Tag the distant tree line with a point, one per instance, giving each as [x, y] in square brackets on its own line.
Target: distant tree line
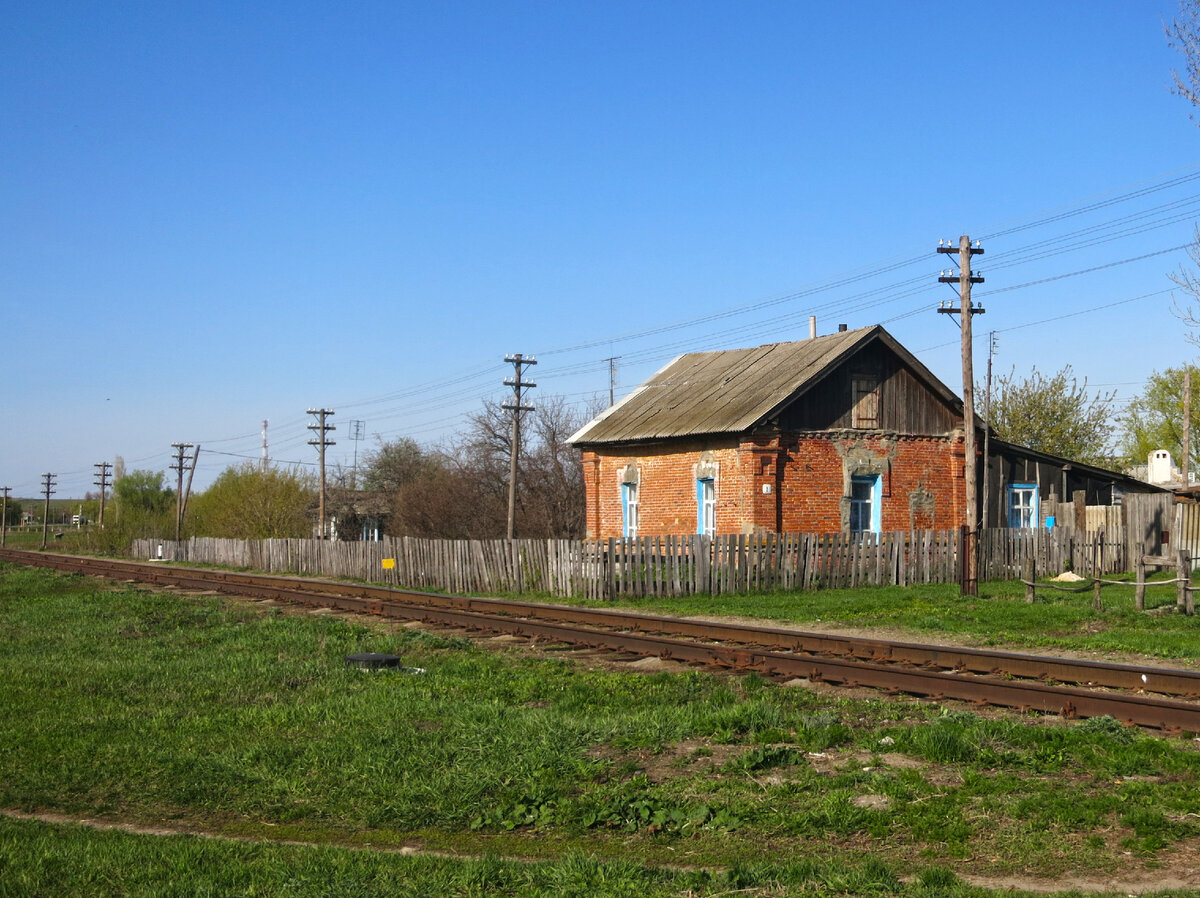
[455, 490]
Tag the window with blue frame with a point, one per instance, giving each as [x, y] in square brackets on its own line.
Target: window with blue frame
[1023, 506]
[706, 506]
[865, 507]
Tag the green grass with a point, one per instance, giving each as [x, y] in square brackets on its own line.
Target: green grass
[998, 616]
[38, 859]
[235, 718]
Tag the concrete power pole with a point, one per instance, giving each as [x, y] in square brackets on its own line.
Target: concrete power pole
[965, 278]
[987, 428]
[612, 379]
[357, 429]
[265, 460]
[321, 428]
[181, 457]
[516, 406]
[103, 470]
[1187, 426]
[48, 489]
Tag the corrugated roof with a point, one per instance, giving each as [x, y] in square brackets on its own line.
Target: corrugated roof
[730, 391]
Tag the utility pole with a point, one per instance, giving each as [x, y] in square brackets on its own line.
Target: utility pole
[181, 457]
[103, 469]
[1187, 426]
[356, 434]
[48, 489]
[965, 278]
[987, 431]
[265, 462]
[612, 378]
[321, 442]
[4, 515]
[516, 406]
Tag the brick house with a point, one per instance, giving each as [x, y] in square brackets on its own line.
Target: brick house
[842, 433]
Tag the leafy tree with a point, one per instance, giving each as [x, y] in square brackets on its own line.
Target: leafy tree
[144, 506]
[143, 491]
[1053, 414]
[1155, 419]
[247, 502]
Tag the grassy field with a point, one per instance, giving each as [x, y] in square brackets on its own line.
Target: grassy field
[518, 772]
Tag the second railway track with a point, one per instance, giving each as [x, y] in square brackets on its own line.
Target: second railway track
[982, 677]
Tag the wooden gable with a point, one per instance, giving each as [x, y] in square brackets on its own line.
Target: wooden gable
[872, 389]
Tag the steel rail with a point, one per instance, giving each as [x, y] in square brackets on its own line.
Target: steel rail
[1160, 680]
[481, 614]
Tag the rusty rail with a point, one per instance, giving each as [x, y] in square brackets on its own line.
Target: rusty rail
[939, 672]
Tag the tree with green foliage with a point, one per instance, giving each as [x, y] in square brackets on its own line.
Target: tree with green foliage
[1154, 420]
[144, 506]
[1054, 414]
[143, 491]
[249, 502]
[12, 513]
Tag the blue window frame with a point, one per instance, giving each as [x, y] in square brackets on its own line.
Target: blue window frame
[1023, 506]
[706, 506]
[629, 509]
[866, 512]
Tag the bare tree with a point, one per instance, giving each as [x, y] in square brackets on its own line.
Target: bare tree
[1183, 35]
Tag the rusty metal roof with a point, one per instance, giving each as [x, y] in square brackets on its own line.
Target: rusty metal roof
[732, 390]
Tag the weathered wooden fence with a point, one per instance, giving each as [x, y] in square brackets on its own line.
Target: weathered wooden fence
[1003, 553]
[658, 565]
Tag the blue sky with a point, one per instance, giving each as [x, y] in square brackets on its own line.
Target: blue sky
[218, 213]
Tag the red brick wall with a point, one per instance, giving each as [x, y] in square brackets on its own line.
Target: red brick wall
[789, 483]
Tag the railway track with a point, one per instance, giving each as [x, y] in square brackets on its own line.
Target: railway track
[1153, 697]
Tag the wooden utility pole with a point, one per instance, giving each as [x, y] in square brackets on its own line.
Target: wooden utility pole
[1187, 425]
[48, 489]
[516, 406]
[4, 515]
[965, 278]
[322, 428]
[103, 469]
[180, 457]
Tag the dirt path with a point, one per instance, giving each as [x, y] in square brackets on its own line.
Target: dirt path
[1181, 872]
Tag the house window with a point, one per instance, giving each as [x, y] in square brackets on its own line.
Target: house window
[1023, 506]
[706, 506]
[629, 509]
[865, 397]
[865, 511]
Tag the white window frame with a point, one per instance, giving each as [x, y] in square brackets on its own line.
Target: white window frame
[706, 506]
[629, 509]
[1024, 506]
[871, 520]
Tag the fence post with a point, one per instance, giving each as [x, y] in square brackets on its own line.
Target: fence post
[1184, 580]
[1139, 591]
[1030, 576]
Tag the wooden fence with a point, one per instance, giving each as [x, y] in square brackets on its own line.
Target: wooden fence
[658, 565]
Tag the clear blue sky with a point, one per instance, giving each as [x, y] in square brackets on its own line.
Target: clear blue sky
[215, 213]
